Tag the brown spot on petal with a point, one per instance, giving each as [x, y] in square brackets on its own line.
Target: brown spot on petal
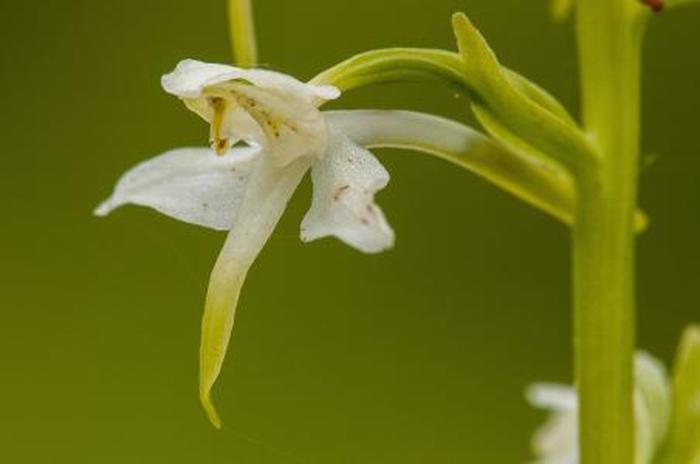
[339, 192]
[220, 145]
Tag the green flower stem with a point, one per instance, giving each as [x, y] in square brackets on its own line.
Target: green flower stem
[242, 30]
[609, 39]
[394, 65]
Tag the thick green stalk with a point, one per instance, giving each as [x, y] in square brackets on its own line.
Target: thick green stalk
[609, 37]
[242, 30]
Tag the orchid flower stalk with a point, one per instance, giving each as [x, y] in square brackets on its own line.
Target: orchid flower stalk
[242, 32]
[247, 189]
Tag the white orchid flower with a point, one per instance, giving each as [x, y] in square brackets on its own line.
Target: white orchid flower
[247, 188]
[556, 442]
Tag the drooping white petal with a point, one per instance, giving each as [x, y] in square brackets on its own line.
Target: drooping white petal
[556, 441]
[191, 77]
[269, 190]
[552, 396]
[345, 181]
[190, 184]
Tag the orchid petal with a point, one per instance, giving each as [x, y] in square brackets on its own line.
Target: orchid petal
[271, 109]
[287, 127]
[652, 404]
[239, 124]
[269, 190]
[190, 184]
[191, 77]
[557, 440]
[345, 181]
[552, 396]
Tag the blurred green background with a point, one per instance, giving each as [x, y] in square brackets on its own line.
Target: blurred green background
[419, 355]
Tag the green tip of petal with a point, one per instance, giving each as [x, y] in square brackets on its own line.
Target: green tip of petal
[481, 67]
[217, 322]
[459, 19]
[463, 28]
[210, 409]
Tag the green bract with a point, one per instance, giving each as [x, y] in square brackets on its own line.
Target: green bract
[501, 103]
